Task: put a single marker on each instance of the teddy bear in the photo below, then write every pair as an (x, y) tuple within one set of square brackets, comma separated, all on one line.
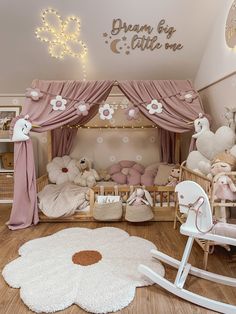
[(174, 176), (104, 175), (87, 176)]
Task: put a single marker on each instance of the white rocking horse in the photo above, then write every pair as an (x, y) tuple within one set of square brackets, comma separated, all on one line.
[(194, 202)]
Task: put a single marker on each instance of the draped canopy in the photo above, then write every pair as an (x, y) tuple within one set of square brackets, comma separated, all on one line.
[(177, 111)]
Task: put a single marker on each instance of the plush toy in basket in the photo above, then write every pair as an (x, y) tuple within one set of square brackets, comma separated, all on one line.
[(7, 160), (139, 206), (108, 208)]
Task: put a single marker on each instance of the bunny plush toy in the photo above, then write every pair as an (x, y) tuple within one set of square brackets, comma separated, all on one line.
[(140, 196)]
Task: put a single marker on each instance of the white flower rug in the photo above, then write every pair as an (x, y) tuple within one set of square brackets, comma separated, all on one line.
[(95, 269)]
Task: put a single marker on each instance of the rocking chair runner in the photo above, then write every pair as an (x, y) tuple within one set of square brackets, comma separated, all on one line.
[(194, 202)]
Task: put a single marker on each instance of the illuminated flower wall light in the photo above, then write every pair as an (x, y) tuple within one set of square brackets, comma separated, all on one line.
[(230, 27), (62, 36)]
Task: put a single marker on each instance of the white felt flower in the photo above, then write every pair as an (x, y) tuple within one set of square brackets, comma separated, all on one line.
[(106, 112), (132, 113), (58, 103), (154, 107), (188, 96), (33, 93), (96, 269), (82, 108), (62, 169)]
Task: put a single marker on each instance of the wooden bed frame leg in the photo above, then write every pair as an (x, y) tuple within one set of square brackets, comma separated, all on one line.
[(91, 201)]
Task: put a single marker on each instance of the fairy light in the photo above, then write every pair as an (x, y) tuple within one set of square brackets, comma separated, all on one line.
[(108, 127), (61, 39)]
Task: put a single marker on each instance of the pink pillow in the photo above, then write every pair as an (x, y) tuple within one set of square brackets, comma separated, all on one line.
[(139, 168), (134, 177), (126, 163), (148, 177), (119, 178), (114, 169), (153, 166)]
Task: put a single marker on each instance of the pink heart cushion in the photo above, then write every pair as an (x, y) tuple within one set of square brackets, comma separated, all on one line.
[(127, 163), (139, 168), (133, 177), (119, 178), (114, 169), (148, 177)]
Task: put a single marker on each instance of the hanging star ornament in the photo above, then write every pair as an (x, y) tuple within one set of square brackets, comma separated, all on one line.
[(61, 35)]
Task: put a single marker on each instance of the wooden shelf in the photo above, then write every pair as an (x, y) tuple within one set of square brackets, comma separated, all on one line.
[(2, 201), (2, 170), (5, 140)]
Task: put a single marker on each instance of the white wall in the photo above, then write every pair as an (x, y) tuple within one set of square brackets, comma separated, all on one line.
[(218, 60), (217, 97)]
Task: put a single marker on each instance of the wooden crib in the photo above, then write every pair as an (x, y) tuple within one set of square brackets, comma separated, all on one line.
[(164, 200)]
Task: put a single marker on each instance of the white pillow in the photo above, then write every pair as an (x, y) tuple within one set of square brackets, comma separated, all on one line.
[(62, 169)]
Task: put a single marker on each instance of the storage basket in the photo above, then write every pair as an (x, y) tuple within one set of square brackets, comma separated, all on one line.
[(6, 186), (4, 134), (108, 211), (7, 160), (138, 213)]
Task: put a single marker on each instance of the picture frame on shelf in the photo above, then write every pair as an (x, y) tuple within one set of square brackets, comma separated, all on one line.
[(7, 113)]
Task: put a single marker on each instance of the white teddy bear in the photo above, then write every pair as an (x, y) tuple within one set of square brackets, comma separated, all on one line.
[(87, 175), (208, 144)]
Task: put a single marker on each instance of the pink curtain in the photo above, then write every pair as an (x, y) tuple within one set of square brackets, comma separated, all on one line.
[(24, 211), (63, 138), (62, 141), (177, 112), (167, 145)]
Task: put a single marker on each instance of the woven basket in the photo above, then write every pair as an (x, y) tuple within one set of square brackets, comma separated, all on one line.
[(4, 134), (108, 211), (6, 186), (138, 213)]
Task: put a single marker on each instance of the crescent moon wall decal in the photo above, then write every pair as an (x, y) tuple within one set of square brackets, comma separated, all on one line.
[(113, 45)]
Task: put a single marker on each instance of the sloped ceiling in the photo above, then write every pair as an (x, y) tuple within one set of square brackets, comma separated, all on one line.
[(24, 57)]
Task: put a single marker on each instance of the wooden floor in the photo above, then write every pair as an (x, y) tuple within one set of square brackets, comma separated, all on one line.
[(148, 300)]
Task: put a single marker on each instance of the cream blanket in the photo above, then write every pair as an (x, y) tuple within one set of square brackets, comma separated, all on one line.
[(62, 200)]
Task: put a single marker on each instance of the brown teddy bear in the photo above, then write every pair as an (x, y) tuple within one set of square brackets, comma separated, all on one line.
[(174, 176), (87, 176)]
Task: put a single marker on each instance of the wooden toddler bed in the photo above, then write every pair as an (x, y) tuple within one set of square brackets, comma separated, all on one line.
[(163, 198)]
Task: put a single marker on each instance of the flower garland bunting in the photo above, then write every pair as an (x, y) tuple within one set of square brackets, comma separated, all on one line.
[(58, 103), (82, 108), (154, 107), (106, 112)]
